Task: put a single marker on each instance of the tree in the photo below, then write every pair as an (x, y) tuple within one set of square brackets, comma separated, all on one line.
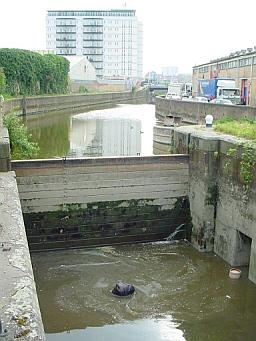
[(2, 80), (30, 73)]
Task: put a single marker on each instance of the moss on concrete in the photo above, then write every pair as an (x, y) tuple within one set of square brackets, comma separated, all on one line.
[(107, 219)]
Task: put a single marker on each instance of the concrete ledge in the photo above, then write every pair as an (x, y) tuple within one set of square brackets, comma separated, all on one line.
[(75, 162), (19, 308), (5, 157)]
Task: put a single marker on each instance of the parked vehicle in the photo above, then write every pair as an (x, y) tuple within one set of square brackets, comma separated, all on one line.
[(221, 101), (200, 99), (186, 90), (188, 99), (172, 96), (174, 91), (219, 88)]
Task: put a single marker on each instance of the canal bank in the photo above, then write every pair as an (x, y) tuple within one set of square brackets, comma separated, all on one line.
[(192, 112), (73, 103)]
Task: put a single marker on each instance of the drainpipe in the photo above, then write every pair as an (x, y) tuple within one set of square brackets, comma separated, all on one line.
[(250, 92)]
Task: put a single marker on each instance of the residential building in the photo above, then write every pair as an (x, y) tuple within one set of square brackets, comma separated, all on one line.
[(240, 65), (111, 40), (81, 69), (170, 71)]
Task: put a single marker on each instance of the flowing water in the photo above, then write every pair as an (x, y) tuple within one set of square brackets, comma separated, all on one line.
[(180, 295), (124, 130)]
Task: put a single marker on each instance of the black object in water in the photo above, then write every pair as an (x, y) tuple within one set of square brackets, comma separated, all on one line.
[(123, 289)]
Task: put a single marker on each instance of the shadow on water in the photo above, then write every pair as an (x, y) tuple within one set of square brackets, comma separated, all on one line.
[(180, 293)]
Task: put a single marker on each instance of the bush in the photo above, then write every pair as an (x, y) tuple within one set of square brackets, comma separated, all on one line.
[(30, 73), (21, 146), (2, 80), (83, 89)]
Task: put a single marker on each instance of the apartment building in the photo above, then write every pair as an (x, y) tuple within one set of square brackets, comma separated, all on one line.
[(111, 40), (240, 65)]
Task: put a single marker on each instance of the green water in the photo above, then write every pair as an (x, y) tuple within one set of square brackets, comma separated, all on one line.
[(180, 295), (124, 130)]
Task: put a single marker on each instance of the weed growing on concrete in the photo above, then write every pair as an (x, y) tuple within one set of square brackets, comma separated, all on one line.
[(248, 162), (20, 140), (242, 128)]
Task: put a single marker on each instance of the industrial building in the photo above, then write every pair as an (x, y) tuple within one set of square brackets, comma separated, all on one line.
[(111, 40), (240, 65)]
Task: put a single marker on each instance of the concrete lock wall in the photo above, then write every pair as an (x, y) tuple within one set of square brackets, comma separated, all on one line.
[(195, 112), (102, 201), (222, 194), (35, 105), (19, 308), (162, 140)]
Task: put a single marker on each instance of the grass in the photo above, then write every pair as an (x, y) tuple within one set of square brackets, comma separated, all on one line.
[(241, 128)]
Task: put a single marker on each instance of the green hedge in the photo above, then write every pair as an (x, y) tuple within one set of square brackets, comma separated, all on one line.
[(30, 73)]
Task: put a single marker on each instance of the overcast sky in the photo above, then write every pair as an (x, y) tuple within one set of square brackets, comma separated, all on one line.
[(176, 33)]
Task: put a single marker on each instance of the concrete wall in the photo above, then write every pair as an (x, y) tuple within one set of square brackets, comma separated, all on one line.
[(195, 112), (19, 308), (222, 194), (102, 201), (95, 87), (162, 140), (35, 105), (5, 155)]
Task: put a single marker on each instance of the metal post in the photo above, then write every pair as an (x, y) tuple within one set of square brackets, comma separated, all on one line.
[(3, 331)]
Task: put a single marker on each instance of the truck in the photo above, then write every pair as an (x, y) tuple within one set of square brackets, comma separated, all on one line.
[(174, 91), (186, 90), (219, 88)]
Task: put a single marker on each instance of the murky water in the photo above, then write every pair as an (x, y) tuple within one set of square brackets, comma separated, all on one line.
[(125, 130), (180, 295)]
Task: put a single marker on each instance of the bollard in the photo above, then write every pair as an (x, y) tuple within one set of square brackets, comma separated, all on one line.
[(3, 331), (208, 121)]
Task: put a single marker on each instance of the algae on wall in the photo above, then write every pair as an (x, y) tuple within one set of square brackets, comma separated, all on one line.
[(107, 223)]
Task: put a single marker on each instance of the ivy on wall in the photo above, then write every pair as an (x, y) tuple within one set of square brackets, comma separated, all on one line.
[(30, 73), (2, 80)]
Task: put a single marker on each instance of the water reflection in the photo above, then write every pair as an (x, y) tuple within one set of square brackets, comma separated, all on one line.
[(161, 329), (104, 134), (122, 131)]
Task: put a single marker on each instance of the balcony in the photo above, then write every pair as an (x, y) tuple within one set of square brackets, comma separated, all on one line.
[(65, 25), (65, 47), (92, 47), (99, 53), (92, 32), (65, 32), (92, 25), (65, 39), (94, 39)]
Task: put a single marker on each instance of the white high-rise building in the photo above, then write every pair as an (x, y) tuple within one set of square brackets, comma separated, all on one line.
[(111, 40)]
